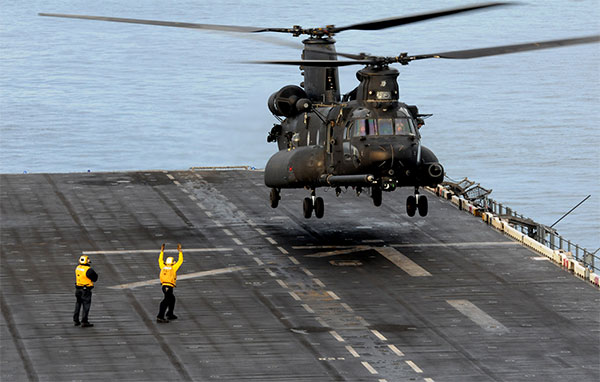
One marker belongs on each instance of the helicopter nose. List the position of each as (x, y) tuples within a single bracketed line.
[(380, 153)]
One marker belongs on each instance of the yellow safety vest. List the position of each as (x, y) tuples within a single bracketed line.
[(80, 276), (168, 276)]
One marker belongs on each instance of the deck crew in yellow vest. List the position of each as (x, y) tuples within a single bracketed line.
[(85, 277), (168, 279)]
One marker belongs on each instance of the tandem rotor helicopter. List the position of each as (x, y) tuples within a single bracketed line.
[(366, 139)]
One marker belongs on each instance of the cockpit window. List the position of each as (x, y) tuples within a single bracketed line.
[(383, 126)]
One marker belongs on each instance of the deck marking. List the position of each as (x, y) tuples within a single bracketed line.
[(270, 240), (170, 177), (338, 252), (468, 244), (251, 223), (320, 321), (347, 307), (185, 190), (337, 336), (319, 283), (209, 214), (429, 380), (258, 261), (307, 308), (236, 240), (261, 231), (295, 296), (369, 367), (227, 232), (282, 250), (416, 368), (352, 351), (176, 183), (478, 316), (403, 262), (294, 260), (192, 197), (181, 277), (396, 350), (155, 251), (271, 273), (248, 251), (200, 205), (362, 321), (308, 273), (283, 285), (378, 335), (218, 223), (540, 258), (333, 295)]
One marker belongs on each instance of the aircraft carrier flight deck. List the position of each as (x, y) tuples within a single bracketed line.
[(364, 294)]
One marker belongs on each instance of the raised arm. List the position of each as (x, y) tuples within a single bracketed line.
[(180, 259), (161, 263)]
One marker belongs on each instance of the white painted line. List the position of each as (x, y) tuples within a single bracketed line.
[(382, 380), (261, 231), (336, 336), (251, 223), (321, 246), (379, 335), (236, 240), (270, 240), (308, 273), (294, 260), (333, 295), (347, 307), (429, 380), (218, 223), (478, 316), (369, 367), (307, 308), (185, 190), (339, 251), (416, 368), (209, 214), (471, 244), (176, 183), (321, 322), (155, 251), (248, 251), (396, 350), (271, 273), (200, 205), (192, 197), (181, 277), (403, 262), (258, 261), (282, 250), (170, 177), (227, 232), (283, 285), (319, 283), (540, 258), (352, 351), (295, 296), (362, 321)]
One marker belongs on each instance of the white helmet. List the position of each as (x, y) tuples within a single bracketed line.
[(84, 260), (169, 261)]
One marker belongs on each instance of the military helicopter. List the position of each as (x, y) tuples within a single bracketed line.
[(366, 139)]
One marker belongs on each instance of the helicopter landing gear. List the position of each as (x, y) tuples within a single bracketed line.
[(274, 197), (376, 195), (313, 203), (417, 202)]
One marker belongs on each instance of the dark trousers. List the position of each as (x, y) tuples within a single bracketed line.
[(168, 303), (84, 297)]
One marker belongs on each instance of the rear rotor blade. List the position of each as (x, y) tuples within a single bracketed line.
[(321, 63), (507, 49), (397, 21)]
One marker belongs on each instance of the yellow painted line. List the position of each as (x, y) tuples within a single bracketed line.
[(369, 367), (396, 350), (403, 262), (352, 351), (156, 251), (416, 368), (478, 316), (336, 336), (179, 278), (379, 335)]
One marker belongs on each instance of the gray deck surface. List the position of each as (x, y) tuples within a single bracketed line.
[(364, 294)]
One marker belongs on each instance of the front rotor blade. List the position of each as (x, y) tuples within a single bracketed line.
[(396, 21), (321, 63), (225, 28), (507, 49)]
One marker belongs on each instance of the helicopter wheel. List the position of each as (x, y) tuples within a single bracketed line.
[(307, 207), (376, 195), (411, 205), (319, 207), (422, 205), (274, 198)]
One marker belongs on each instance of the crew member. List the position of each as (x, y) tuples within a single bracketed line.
[(85, 277), (168, 279)]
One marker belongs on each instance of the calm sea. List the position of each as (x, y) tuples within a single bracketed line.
[(83, 95)]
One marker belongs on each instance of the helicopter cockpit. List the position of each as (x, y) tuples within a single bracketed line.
[(362, 126)]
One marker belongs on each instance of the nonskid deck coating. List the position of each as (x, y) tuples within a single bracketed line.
[(265, 294)]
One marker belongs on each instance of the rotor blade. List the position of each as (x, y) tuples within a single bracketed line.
[(396, 21), (323, 63), (507, 49), (225, 28)]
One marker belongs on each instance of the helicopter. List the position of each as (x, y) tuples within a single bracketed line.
[(366, 139)]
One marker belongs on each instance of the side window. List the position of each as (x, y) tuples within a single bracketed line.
[(360, 128), (372, 127)]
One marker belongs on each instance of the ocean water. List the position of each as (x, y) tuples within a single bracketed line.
[(81, 95)]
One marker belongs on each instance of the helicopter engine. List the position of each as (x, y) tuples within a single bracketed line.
[(288, 101)]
